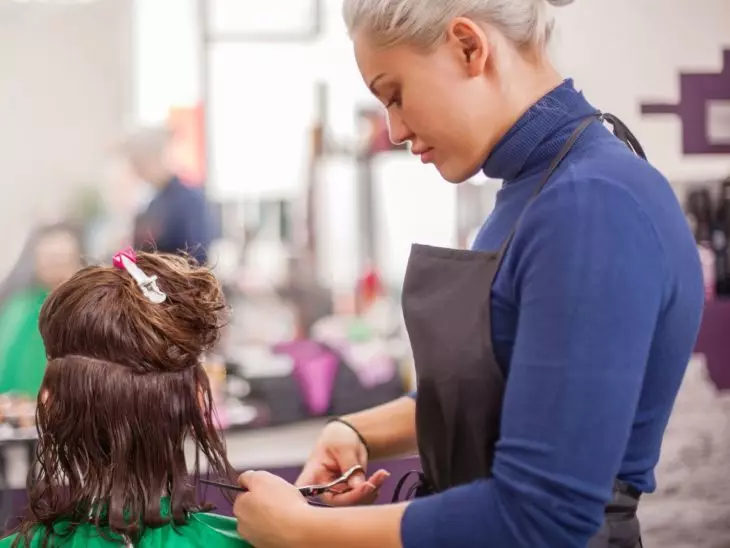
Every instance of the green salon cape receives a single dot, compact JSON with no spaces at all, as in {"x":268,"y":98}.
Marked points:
{"x":22,"y":354}
{"x":203,"y":530}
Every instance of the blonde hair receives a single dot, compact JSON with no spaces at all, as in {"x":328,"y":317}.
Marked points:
{"x":423,"y":23}
{"x":147,"y":143}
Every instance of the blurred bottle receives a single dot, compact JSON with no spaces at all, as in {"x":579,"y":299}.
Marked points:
{"x":709,"y":269}
{"x":720,"y":239}
{"x":369,"y":289}
{"x":703,"y":221}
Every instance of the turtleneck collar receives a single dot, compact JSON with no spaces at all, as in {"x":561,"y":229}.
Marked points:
{"x":537,"y":136}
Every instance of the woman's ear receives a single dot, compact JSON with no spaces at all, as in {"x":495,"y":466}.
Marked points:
{"x":471,"y":43}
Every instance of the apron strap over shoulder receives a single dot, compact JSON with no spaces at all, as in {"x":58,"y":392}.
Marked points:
{"x":620,"y":130}
{"x":624,"y":134}
{"x":567,"y":147}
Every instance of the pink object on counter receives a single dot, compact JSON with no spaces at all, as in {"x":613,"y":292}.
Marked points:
{"x":373,"y":371}
{"x":315,"y":370}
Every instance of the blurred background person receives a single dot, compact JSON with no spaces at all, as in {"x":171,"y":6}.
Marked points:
{"x":53,"y":254}
{"x":177,"y":217}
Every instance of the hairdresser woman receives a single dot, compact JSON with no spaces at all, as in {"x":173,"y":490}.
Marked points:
{"x":550,"y":355}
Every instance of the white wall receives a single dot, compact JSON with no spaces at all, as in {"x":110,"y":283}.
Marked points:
{"x":166,"y":46}
{"x":625,"y":52}
{"x":64,"y":94}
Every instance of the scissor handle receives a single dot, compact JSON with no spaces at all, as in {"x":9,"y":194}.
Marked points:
{"x":313,"y":491}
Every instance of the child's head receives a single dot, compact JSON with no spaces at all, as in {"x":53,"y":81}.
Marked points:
{"x":124,"y":388}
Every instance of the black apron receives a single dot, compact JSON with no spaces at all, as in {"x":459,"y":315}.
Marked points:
{"x":446,"y":304}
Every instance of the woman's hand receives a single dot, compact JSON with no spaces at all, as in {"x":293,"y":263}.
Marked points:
{"x":272,"y":513}
{"x":337,"y":450}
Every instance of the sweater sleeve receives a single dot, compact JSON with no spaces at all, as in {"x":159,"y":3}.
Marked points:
{"x":588,"y":274}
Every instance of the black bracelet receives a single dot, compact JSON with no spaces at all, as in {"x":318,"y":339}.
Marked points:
{"x":357,"y":432}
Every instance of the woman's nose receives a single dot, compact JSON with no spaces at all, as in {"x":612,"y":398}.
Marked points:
{"x":398,"y":131}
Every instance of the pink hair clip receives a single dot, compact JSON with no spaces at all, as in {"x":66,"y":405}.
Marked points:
{"x":127,"y":260}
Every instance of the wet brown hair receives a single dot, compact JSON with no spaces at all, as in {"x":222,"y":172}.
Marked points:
{"x":123,"y":389}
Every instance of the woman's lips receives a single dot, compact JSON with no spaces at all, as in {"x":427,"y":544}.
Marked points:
{"x":427,"y":156}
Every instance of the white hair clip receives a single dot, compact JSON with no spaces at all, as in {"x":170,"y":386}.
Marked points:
{"x":127,"y":260}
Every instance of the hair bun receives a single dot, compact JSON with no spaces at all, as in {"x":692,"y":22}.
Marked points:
{"x":559,"y":3}
{"x":101,"y":313}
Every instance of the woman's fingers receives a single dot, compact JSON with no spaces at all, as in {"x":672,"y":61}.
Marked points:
{"x":378,"y":478}
{"x":314,"y":473}
{"x":364,"y":492}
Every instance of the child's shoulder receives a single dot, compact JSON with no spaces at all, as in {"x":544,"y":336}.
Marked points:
{"x":221,"y":530}
{"x":203,"y":530}
{"x":7,"y":542}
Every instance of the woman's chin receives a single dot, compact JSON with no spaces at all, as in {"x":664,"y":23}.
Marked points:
{"x":455,"y":174}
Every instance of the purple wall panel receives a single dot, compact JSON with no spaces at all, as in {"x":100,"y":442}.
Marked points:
{"x":696,"y":93}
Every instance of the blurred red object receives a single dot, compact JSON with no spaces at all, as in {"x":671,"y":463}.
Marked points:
{"x":370,"y":287}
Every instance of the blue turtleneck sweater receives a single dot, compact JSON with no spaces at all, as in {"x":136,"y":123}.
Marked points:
{"x":595,"y":311}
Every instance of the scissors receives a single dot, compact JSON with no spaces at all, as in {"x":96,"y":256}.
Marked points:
{"x":306,"y":490}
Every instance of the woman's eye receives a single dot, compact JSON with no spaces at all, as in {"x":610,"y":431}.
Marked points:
{"x":395,"y":101}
